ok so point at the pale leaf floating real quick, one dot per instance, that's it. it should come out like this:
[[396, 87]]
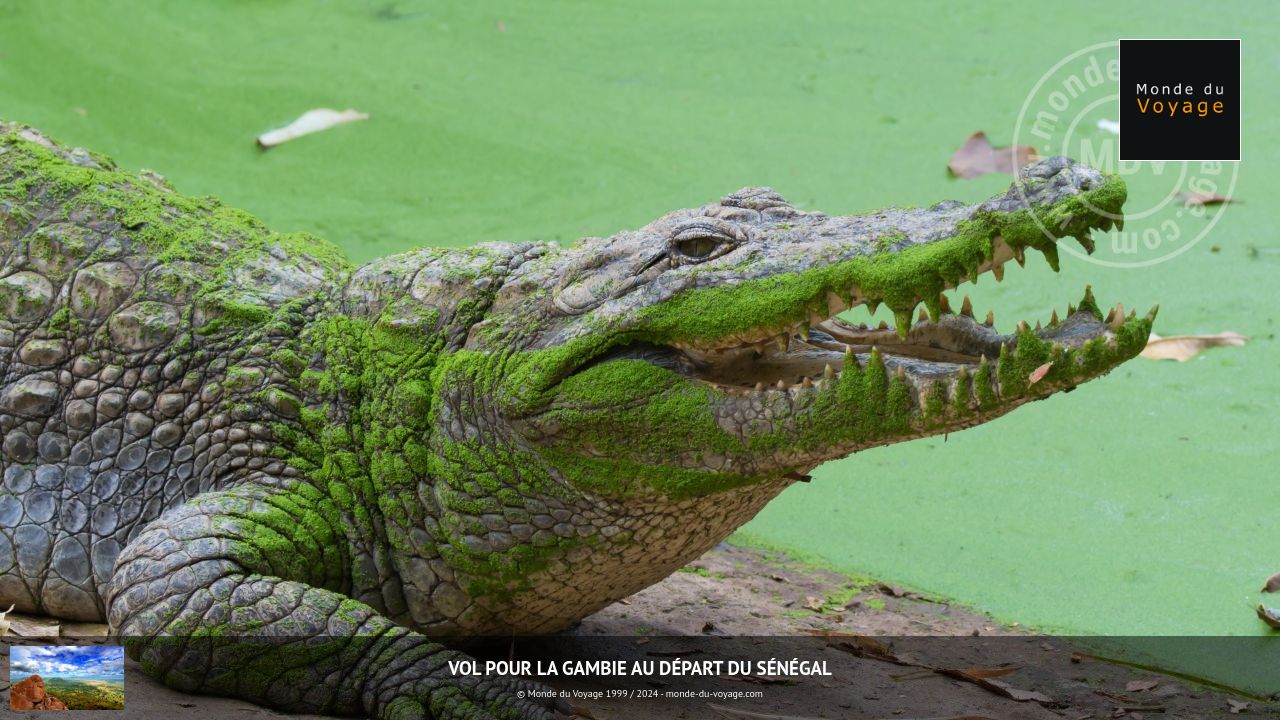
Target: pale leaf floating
[[1270, 616], [1185, 347], [311, 121], [977, 157], [1194, 197]]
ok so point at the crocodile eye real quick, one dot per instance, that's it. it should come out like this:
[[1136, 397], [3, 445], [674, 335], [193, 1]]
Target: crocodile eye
[[704, 240], [697, 248]]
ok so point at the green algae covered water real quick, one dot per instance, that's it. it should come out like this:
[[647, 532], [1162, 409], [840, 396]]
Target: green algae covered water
[[1142, 504]]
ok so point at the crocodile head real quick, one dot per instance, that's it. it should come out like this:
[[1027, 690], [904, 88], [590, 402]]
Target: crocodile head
[[705, 351]]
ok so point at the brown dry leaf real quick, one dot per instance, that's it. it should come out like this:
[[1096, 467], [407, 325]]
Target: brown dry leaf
[[1273, 583], [979, 673], [1140, 685], [858, 645], [1038, 374], [977, 157], [1193, 197], [892, 590], [1185, 347], [1013, 693], [311, 121], [1270, 616]]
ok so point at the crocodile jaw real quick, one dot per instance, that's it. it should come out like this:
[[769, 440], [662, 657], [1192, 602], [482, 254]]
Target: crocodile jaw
[[749, 371]]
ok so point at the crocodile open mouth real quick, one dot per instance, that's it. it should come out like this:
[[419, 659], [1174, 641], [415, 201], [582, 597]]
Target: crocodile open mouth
[[943, 345]]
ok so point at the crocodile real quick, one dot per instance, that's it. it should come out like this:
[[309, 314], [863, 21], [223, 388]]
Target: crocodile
[[281, 477]]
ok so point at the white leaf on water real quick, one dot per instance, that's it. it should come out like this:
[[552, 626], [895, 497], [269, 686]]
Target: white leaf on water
[[311, 121]]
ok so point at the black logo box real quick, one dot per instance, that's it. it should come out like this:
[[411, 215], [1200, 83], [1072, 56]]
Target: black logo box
[[1187, 69]]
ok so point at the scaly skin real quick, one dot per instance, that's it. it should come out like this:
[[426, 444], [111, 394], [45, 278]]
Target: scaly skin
[[275, 475]]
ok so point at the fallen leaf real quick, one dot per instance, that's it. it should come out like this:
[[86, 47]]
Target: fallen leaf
[[1237, 706], [1273, 583], [34, 627], [858, 645], [311, 121], [4, 624], [977, 157], [813, 603], [1270, 616], [893, 590], [1140, 685], [1195, 197], [1038, 374], [979, 673], [1185, 347], [1013, 693]]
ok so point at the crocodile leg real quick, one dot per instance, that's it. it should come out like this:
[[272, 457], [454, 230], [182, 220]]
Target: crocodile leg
[[224, 595]]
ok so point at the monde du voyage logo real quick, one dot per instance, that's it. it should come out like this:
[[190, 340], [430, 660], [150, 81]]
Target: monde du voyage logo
[[1164, 115], [1180, 100]]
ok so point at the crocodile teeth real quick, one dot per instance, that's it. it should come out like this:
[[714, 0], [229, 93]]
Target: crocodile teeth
[[828, 372], [943, 303], [967, 308], [805, 382], [1086, 242], [834, 304], [923, 316], [1053, 319], [883, 325], [1021, 256], [759, 387], [991, 318], [903, 320], [1120, 223], [782, 385], [1151, 314], [998, 271], [1116, 318], [783, 342], [1051, 256]]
